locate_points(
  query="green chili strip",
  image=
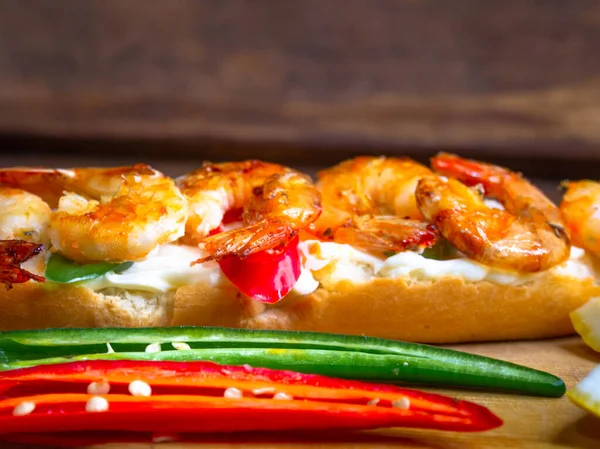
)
(335, 355)
(442, 250)
(65, 271)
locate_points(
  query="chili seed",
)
(153, 347)
(403, 403)
(24, 408)
(282, 397)
(97, 388)
(233, 393)
(140, 388)
(96, 404)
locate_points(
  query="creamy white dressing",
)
(306, 283)
(331, 263)
(167, 268)
(324, 263)
(328, 263)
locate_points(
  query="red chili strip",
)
(207, 375)
(216, 399)
(265, 276)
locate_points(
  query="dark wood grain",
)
(519, 78)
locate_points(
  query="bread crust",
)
(449, 310)
(37, 306)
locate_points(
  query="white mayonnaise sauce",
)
(331, 262)
(167, 268)
(324, 263)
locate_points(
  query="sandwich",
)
(380, 246)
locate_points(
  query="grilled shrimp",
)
(116, 214)
(24, 225)
(50, 184)
(581, 208)
(528, 236)
(23, 216)
(276, 202)
(369, 202)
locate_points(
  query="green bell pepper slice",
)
(442, 250)
(65, 271)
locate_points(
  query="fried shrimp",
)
(581, 208)
(369, 203)
(24, 223)
(528, 236)
(116, 214)
(276, 202)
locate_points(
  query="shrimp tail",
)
(469, 172)
(12, 254)
(17, 275)
(267, 234)
(18, 251)
(386, 234)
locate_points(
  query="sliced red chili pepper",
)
(204, 397)
(266, 276)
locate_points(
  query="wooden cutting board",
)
(528, 422)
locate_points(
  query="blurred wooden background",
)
(308, 82)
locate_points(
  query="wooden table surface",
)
(528, 421)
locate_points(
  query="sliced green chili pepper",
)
(344, 356)
(63, 270)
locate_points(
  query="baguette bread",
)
(446, 310)
(402, 294)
